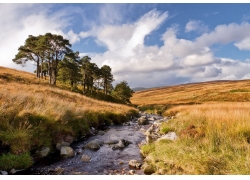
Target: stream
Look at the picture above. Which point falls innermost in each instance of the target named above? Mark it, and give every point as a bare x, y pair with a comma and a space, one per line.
104, 161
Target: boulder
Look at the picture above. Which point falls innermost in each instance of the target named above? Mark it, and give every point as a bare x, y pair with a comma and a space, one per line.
171, 136
85, 158
121, 144
67, 152
61, 144
99, 141
143, 120
111, 141
12, 171
93, 145
134, 163
148, 170
43, 152
3, 172
131, 172
151, 118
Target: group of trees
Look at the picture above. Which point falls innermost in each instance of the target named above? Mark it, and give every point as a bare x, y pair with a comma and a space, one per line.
54, 57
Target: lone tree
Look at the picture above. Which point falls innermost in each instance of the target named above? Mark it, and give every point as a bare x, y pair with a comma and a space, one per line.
122, 92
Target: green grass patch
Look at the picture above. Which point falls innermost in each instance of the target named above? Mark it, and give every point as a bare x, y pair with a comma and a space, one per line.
9, 161
239, 90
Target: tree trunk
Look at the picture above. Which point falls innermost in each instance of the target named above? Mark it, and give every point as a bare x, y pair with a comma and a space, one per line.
37, 69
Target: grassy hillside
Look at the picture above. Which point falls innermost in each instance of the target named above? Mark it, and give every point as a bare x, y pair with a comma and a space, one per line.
218, 91
34, 114
212, 122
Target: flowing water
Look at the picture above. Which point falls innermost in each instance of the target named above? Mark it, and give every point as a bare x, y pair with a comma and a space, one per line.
104, 161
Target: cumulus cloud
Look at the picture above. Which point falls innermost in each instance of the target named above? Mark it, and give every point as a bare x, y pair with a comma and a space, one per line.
177, 61
194, 25
18, 21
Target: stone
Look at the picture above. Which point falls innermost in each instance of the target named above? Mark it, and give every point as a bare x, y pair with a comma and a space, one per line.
99, 141
134, 163
131, 172
93, 145
57, 171
85, 158
171, 136
61, 144
148, 170
3, 172
12, 171
101, 133
121, 144
111, 141
67, 152
151, 118
43, 152
143, 121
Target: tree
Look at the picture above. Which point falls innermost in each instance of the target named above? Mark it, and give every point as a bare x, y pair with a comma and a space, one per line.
122, 92
30, 51
107, 78
46, 50
55, 49
84, 64
68, 69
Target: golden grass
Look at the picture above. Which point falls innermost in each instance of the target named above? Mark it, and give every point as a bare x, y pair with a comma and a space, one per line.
220, 91
214, 138
37, 96
34, 114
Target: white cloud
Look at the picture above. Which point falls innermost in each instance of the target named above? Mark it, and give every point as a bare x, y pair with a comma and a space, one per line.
20, 20
177, 61
194, 25
84, 34
244, 44
73, 38
224, 34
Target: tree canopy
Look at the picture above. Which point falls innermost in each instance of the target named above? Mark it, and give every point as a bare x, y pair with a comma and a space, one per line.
123, 92
54, 57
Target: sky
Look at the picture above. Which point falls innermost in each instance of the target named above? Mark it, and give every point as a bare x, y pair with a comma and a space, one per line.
146, 44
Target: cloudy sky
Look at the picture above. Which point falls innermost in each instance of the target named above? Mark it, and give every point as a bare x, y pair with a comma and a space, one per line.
146, 44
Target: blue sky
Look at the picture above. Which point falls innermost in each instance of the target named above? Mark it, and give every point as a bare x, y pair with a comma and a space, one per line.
146, 44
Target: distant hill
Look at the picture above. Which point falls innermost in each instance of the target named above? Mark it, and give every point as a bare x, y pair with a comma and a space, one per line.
138, 89
211, 91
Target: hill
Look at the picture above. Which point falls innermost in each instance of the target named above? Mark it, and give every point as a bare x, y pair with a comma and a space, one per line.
138, 89
214, 91
34, 115
211, 121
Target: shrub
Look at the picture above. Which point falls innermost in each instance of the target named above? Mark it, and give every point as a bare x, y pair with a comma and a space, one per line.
9, 161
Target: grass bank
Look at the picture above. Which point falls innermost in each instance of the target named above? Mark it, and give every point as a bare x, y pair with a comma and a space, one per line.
213, 138
34, 115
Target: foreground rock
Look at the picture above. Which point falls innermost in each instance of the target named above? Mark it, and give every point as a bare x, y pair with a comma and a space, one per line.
143, 120
135, 163
85, 158
121, 144
3, 172
67, 152
170, 136
59, 145
148, 170
43, 152
94, 145
112, 141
